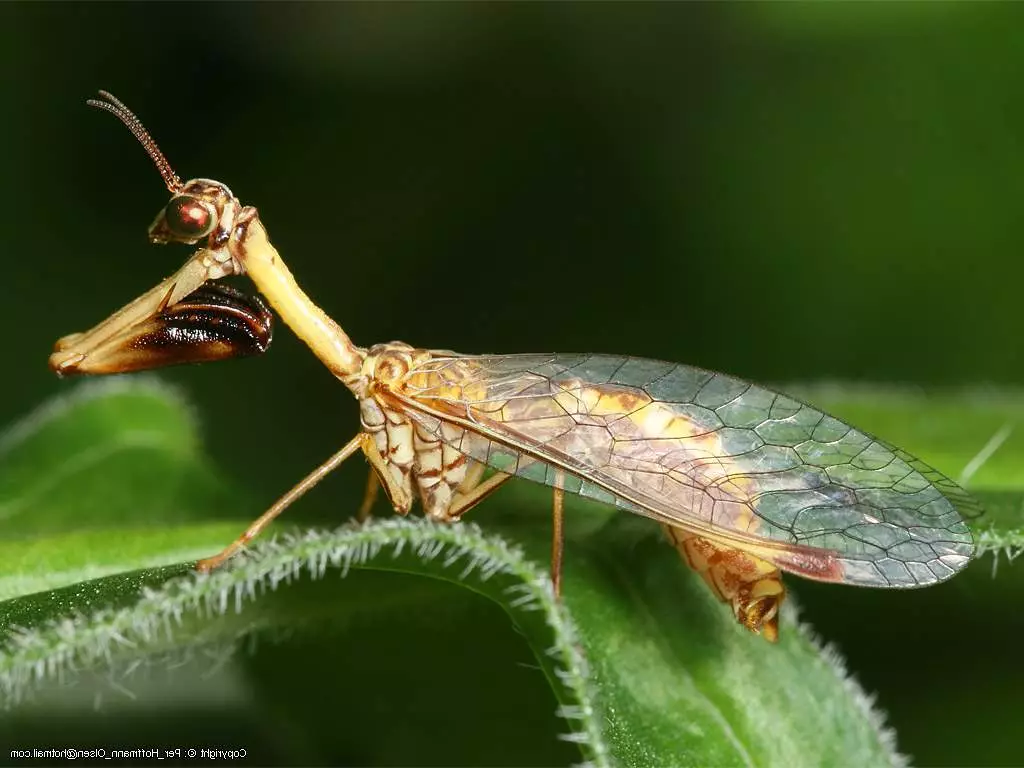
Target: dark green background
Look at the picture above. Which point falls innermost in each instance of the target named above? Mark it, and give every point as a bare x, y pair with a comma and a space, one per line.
781, 191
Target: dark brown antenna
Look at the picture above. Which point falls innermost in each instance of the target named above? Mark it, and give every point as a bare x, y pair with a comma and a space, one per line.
113, 105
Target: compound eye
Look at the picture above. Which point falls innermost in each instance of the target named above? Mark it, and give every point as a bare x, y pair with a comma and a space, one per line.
189, 218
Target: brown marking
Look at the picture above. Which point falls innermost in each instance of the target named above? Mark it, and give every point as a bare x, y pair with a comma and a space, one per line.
390, 368
819, 565
237, 240
457, 462
219, 238
618, 402
751, 586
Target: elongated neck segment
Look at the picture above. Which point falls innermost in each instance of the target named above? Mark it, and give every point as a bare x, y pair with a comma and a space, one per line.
274, 280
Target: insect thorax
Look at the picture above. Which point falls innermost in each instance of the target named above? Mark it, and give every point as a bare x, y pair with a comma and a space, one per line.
411, 453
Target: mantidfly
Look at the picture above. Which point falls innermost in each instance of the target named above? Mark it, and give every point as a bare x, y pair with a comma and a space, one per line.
745, 481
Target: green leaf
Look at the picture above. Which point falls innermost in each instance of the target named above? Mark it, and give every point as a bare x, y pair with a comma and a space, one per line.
116, 452
83, 476
442, 644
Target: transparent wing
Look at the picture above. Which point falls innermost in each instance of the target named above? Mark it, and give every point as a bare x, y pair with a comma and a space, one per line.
706, 452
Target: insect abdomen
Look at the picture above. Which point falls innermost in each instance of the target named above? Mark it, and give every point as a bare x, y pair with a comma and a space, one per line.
751, 586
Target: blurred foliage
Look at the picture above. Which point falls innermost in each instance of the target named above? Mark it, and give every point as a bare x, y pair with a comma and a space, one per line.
786, 191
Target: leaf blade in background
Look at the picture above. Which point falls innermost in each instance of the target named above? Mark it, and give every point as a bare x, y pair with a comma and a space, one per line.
117, 452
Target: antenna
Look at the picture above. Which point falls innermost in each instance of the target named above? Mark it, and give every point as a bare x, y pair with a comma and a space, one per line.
113, 105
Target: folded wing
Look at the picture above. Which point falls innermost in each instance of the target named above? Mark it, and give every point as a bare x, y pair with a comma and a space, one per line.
705, 452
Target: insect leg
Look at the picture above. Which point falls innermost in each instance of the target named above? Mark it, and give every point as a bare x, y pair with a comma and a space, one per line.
369, 497
74, 353
472, 481
214, 322
282, 504
464, 502
557, 534
474, 475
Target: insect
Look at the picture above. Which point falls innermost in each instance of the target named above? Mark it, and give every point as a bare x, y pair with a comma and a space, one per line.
745, 481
